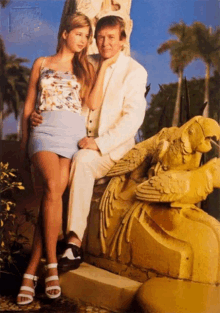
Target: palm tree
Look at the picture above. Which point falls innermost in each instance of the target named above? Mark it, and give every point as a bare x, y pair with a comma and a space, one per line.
2, 81
181, 55
14, 83
4, 3
206, 47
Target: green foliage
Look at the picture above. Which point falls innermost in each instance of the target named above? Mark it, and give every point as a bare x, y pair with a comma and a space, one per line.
13, 80
162, 104
180, 48
11, 137
12, 240
206, 44
4, 3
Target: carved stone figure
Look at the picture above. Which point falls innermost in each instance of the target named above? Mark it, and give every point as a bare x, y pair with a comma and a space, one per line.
148, 221
181, 188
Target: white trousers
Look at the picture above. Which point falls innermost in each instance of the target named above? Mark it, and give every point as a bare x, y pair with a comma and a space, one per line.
87, 166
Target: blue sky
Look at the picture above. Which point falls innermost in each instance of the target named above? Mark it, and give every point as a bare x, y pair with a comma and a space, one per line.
30, 28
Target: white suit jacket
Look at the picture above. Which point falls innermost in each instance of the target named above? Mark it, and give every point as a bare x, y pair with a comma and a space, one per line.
123, 107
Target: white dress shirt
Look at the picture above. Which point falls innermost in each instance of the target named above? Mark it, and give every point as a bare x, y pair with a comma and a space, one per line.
93, 118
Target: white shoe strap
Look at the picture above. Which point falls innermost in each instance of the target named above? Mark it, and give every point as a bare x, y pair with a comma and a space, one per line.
53, 288
50, 278
29, 276
51, 265
23, 295
27, 288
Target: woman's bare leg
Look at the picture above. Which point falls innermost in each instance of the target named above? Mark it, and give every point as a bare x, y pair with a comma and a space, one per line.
34, 261
53, 220
55, 173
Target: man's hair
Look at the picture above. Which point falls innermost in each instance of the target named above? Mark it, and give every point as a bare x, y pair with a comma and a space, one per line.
111, 21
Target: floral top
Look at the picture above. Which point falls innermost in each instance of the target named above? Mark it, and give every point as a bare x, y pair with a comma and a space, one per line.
58, 91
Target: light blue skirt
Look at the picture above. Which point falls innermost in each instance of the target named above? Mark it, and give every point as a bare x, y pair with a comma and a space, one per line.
59, 132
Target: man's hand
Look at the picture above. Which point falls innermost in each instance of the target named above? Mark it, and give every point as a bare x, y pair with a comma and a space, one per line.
88, 143
36, 118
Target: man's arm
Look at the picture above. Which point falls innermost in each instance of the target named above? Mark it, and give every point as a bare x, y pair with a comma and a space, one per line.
132, 116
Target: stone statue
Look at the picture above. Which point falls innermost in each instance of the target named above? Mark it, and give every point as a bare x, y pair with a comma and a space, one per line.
181, 188
148, 221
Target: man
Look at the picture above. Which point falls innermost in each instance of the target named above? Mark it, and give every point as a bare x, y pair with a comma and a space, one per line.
111, 130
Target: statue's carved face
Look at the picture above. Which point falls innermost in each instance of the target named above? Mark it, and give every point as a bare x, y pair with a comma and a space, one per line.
109, 42
194, 139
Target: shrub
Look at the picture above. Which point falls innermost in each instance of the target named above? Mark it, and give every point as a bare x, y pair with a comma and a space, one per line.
12, 240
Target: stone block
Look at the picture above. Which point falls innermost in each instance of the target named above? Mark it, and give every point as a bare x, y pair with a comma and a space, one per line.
99, 288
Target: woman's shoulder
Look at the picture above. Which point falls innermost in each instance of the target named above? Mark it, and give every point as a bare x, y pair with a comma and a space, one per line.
38, 63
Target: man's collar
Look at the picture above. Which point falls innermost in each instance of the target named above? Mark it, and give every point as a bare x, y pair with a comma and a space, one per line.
114, 64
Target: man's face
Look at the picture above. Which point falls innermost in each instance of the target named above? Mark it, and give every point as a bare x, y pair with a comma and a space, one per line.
108, 41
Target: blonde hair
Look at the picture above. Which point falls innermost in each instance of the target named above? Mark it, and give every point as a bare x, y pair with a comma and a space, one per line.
82, 69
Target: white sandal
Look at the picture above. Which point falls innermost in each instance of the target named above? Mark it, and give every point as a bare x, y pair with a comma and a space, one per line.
51, 278
24, 295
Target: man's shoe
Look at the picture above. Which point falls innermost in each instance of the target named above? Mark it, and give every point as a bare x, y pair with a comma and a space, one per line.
66, 264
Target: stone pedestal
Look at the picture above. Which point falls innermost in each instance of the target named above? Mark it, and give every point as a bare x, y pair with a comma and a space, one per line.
165, 295
178, 243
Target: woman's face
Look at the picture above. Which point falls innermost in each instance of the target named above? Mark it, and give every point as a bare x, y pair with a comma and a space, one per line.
77, 39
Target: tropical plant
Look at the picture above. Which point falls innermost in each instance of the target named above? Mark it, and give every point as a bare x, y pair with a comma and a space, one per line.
4, 3
181, 55
206, 46
16, 84
12, 240
2, 81
11, 137
162, 104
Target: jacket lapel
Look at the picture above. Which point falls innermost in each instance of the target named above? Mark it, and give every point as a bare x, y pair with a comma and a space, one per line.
116, 78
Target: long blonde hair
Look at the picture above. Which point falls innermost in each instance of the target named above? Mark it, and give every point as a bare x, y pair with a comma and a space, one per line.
81, 66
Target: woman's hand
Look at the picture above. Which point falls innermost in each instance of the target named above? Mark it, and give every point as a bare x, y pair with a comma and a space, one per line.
110, 61
95, 98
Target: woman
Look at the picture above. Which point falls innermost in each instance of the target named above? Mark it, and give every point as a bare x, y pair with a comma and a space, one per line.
60, 85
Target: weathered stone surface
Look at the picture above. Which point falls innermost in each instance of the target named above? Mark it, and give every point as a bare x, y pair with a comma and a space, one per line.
165, 295
99, 288
140, 275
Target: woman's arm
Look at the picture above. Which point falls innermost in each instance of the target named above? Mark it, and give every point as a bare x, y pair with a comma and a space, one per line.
30, 101
95, 97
